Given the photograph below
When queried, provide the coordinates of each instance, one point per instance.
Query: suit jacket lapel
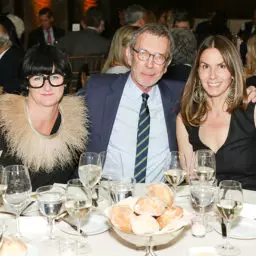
(170, 105)
(110, 108)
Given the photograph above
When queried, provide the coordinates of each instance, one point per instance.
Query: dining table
(109, 243)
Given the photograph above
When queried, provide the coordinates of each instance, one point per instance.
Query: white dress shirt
(46, 35)
(124, 133)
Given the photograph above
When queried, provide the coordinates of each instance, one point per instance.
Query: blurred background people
(183, 56)
(87, 41)
(47, 33)
(116, 61)
(251, 61)
(11, 56)
(45, 131)
(135, 15)
(182, 19)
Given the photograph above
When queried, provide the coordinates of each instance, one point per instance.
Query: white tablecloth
(108, 243)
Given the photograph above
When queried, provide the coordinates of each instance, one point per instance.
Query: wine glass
(90, 168)
(50, 200)
(175, 169)
(18, 190)
(78, 203)
(229, 205)
(202, 195)
(203, 166)
(3, 183)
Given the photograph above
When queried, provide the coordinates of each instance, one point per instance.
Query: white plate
(32, 250)
(95, 224)
(242, 228)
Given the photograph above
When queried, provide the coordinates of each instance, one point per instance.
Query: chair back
(85, 66)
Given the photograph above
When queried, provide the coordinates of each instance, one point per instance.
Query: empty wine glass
(18, 190)
(203, 166)
(78, 204)
(229, 205)
(202, 195)
(175, 168)
(50, 200)
(90, 168)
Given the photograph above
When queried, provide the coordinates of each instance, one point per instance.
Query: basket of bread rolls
(150, 220)
(13, 247)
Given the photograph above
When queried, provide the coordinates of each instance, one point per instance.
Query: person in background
(47, 33)
(183, 56)
(44, 130)
(11, 56)
(87, 41)
(251, 61)
(182, 19)
(117, 104)
(215, 113)
(116, 61)
(135, 15)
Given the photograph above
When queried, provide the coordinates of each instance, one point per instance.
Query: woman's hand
(251, 92)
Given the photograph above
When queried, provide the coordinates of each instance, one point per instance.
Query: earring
(198, 95)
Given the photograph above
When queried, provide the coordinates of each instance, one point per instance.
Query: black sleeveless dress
(236, 159)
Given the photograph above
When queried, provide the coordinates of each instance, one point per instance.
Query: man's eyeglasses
(144, 55)
(54, 79)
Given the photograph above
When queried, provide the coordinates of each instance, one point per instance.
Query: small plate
(32, 250)
(95, 224)
(242, 228)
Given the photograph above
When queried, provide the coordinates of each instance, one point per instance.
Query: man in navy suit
(114, 103)
(46, 33)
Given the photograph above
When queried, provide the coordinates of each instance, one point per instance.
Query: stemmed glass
(229, 205)
(203, 166)
(90, 168)
(50, 200)
(3, 183)
(175, 168)
(18, 190)
(78, 204)
(202, 195)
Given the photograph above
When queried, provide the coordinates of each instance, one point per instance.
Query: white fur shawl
(38, 151)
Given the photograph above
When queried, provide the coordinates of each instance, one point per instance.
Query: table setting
(207, 218)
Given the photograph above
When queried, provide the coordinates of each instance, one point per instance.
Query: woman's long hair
(194, 104)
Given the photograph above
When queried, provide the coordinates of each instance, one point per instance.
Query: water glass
(3, 183)
(121, 188)
(50, 200)
(18, 190)
(67, 247)
(203, 167)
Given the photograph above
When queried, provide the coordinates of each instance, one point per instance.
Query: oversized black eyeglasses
(54, 79)
(144, 55)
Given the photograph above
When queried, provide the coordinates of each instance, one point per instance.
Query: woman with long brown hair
(215, 113)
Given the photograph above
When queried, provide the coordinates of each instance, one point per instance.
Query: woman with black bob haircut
(44, 130)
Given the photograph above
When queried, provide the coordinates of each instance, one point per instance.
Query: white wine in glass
(175, 168)
(229, 204)
(90, 168)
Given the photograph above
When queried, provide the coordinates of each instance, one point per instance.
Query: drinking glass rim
(233, 183)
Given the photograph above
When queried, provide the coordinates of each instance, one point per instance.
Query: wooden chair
(83, 67)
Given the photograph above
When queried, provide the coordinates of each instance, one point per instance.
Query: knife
(74, 227)
(223, 228)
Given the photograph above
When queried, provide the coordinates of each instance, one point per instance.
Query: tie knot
(144, 96)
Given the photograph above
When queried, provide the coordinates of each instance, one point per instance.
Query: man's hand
(251, 91)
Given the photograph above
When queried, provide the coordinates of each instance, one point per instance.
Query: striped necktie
(49, 37)
(142, 141)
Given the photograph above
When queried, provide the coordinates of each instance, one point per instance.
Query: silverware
(74, 227)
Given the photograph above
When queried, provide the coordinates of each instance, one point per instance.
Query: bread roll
(13, 247)
(151, 206)
(170, 214)
(120, 216)
(144, 224)
(161, 191)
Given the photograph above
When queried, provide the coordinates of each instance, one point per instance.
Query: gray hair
(133, 13)
(155, 29)
(5, 40)
(186, 45)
